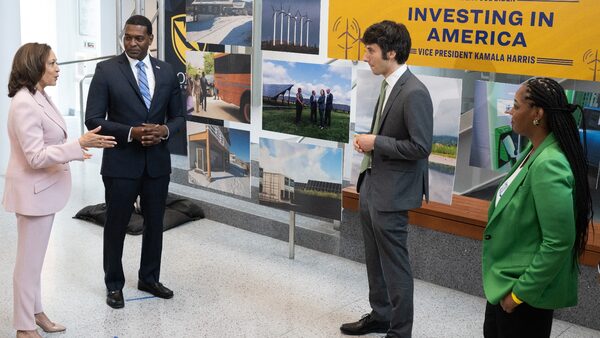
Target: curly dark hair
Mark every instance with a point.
(549, 95)
(28, 67)
(389, 36)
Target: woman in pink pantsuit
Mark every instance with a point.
(38, 180)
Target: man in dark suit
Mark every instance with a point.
(313, 107)
(135, 98)
(328, 107)
(204, 86)
(299, 105)
(393, 180)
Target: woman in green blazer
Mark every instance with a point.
(538, 220)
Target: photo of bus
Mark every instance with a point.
(218, 86)
(233, 80)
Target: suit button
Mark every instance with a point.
(487, 237)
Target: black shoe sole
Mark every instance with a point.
(116, 306)
(154, 294)
(354, 333)
(360, 333)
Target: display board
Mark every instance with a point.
(446, 98)
(176, 46)
(495, 145)
(533, 37)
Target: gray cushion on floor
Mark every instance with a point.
(178, 211)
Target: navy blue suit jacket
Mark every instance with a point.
(115, 103)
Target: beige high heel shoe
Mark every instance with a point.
(28, 334)
(48, 326)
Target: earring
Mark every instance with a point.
(536, 122)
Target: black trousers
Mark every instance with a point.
(328, 116)
(313, 114)
(120, 194)
(526, 321)
(298, 113)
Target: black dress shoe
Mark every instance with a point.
(114, 299)
(156, 289)
(367, 324)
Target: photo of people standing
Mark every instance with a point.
(284, 100)
(299, 105)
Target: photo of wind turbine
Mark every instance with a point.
(291, 26)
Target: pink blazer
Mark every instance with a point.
(38, 180)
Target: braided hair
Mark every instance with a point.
(550, 96)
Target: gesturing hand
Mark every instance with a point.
(92, 139)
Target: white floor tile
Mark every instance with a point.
(227, 282)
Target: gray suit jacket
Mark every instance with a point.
(399, 170)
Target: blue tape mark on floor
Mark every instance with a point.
(140, 298)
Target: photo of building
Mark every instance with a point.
(300, 177)
(219, 158)
(275, 188)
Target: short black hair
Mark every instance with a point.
(140, 20)
(389, 36)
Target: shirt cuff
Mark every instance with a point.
(168, 133)
(129, 139)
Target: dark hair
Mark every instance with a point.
(28, 67)
(389, 36)
(140, 20)
(550, 96)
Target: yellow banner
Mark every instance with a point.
(556, 38)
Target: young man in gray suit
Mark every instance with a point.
(393, 180)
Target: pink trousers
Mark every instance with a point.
(34, 233)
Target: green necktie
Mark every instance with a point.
(367, 158)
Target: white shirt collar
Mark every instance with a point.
(395, 76)
(134, 62)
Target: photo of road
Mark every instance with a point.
(220, 110)
(222, 30)
(219, 22)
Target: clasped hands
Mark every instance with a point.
(363, 143)
(149, 134)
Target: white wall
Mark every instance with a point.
(11, 39)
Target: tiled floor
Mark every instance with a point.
(227, 283)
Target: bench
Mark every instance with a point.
(466, 217)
